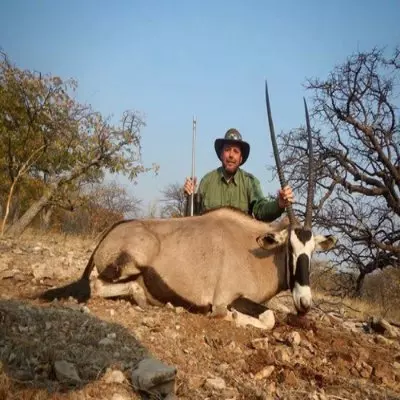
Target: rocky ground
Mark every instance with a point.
(105, 349)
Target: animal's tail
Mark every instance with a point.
(80, 289)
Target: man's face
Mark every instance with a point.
(231, 157)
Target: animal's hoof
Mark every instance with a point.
(268, 319)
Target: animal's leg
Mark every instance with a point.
(244, 319)
(219, 311)
(247, 306)
(247, 312)
(127, 289)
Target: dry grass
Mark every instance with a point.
(354, 307)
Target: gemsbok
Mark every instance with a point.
(210, 263)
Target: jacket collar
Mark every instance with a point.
(234, 177)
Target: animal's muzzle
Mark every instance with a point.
(302, 298)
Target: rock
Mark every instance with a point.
(85, 310)
(230, 393)
(114, 376)
(294, 338)
(351, 326)
(364, 369)
(215, 383)
(290, 378)
(223, 367)
(278, 337)
(41, 271)
(106, 341)
(282, 355)
(194, 381)
(152, 376)
(265, 372)
(278, 307)
(307, 345)
(66, 372)
(260, 343)
(148, 321)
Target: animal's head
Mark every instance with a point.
(299, 241)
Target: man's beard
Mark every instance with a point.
(232, 169)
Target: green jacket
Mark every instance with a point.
(243, 191)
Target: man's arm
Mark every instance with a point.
(263, 208)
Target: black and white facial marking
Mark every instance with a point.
(301, 245)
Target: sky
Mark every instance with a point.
(172, 60)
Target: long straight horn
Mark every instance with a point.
(278, 163)
(311, 178)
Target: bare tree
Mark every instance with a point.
(174, 201)
(96, 208)
(357, 150)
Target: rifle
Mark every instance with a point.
(193, 200)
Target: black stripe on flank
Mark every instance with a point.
(113, 270)
(160, 291)
(302, 276)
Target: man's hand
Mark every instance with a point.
(285, 197)
(189, 186)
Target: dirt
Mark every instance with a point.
(328, 356)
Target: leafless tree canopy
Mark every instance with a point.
(357, 149)
(173, 200)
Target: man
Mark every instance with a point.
(229, 185)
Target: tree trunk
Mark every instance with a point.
(359, 284)
(19, 227)
(45, 218)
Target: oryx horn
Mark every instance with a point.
(278, 163)
(311, 183)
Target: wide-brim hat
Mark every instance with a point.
(233, 136)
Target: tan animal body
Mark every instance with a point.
(202, 263)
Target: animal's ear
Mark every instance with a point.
(271, 240)
(324, 242)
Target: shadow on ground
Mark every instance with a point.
(34, 340)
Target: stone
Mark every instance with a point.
(265, 372)
(66, 372)
(215, 383)
(290, 378)
(114, 376)
(294, 338)
(282, 355)
(260, 343)
(106, 341)
(153, 376)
